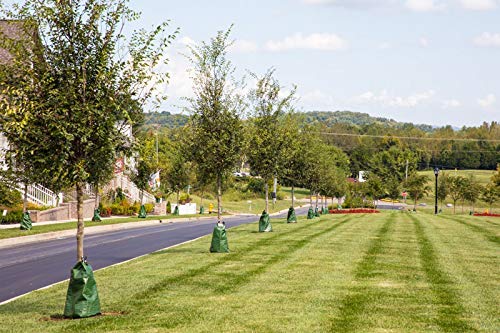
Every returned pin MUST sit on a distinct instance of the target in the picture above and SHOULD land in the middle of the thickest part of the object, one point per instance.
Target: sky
(423, 61)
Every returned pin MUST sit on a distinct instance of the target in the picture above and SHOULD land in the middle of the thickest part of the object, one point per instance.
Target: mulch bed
(486, 214)
(353, 211)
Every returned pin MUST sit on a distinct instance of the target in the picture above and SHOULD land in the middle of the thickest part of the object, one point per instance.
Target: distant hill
(327, 118)
(165, 119)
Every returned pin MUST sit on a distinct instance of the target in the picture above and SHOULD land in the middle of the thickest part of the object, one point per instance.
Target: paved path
(33, 266)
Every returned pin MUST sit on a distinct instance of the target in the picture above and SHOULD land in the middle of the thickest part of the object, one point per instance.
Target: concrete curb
(9, 242)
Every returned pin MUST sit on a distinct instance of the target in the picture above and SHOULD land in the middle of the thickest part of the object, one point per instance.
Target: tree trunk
(267, 197)
(415, 204)
(454, 204)
(310, 197)
(201, 201)
(293, 195)
(80, 225)
(25, 199)
(317, 195)
(96, 204)
(219, 197)
(178, 195)
(142, 196)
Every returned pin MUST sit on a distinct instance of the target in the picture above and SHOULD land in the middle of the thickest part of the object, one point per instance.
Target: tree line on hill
(360, 136)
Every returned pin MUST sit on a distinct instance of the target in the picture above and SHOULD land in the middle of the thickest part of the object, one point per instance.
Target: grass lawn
(482, 176)
(256, 206)
(388, 272)
(40, 229)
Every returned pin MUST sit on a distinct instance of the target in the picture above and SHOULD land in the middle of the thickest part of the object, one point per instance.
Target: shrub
(120, 196)
(280, 195)
(9, 197)
(184, 198)
(353, 202)
(116, 209)
(105, 211)
(233, 195)
(13, 216)
(34, 206)
(169, 207)
(149, 208)
(256, 185)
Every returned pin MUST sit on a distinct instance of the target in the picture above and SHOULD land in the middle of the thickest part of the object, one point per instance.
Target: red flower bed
(353, 211)
(486, 214)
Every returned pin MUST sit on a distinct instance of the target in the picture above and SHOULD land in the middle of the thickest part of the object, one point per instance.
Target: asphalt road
(29, 267)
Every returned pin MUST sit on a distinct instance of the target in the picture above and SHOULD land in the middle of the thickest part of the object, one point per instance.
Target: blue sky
(424, 61)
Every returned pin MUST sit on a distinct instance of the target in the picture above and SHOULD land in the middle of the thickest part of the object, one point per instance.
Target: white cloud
(244, 46)
(424, 42)
(451, 104)
(425, 5)
(315, 41)
(488, 101)
(386, 99)
(479, 4)
(487, 39)
(186, 40)
(384, 45)
(316, 98)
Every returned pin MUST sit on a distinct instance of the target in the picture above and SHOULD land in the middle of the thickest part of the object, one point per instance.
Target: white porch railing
(39, 195)
(132, 192)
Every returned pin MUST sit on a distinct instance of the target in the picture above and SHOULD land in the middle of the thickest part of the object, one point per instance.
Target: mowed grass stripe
(232, 256)
(277, 299)
(463, 254)
(219, 277)
(450, 311)
(488, 234)
(358, 297)
(155, 270)
(303, 290)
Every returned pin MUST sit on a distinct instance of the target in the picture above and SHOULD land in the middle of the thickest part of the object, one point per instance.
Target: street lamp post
(436, 172)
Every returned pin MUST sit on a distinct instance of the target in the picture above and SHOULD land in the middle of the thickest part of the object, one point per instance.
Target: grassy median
(388, 272)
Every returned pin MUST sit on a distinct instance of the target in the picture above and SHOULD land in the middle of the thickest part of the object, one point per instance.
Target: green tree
(443, 187)
(215, 128)
(374, 187)
(417, 187)
(147, 162)
(291, 162)
(391, 163)
(490, 194)
(177, 174)
(456, 187)
(472, 191)
(86, 91)
(495, 179)
(393, 188)
(267, 135)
